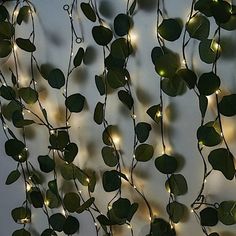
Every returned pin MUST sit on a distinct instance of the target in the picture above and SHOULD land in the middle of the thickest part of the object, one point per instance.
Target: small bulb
(28, 187)
(20, 157)
(29, 111)
(15, 47)
(191, 210)
(80, 191)
(133, 36)
(129, 227)
(162, 72)
(5, 127)
(35, 82)
(4, 84)
(26, 149)
(150, 218)
(158, 114)
(63, 212)
(116, 139)
(126, 78)
(46, 202)
(205, 181)
(217, 91)
(215, 46)
(87, 179)
(134, 156)
(95, 224)
(184, 62)
(72, 54)
(135, 187)
(67, 123)
(109, 207)
(133, 116)
(221, 134)
(52, 131)
(201, 143)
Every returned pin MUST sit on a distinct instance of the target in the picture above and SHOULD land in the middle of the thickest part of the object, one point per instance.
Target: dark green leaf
(71, 225)
(188, 76)
(209, 51)
(7, 92)
(13, 177)
(133, 208)
(71, 150)
(21, 232)
(203, 103)
(102, 35)
(19, 121)
(227, 212)
(36, 198)
(57, 221)
(5, 48)
(222, 159)
(46, 164)
(144, 152)
(56, 79)
(122, 24)
(67, 171)
(103, 220)
(209, 216)
(23, 15)
(29, 95)
(3, 13)
(14, 147)
(75, 102)
(221, 11)
(126, 98)
(86, 205)
(214, 234)
(160, 227)
(52, 199)
(6, 30)
(175, 211)
(198, 27)
(78, 57)
(170, 29)
(48, 232)
(88, 11)
(142, 130)
(71, 201)
(155, 112)
(204, 6)
(121, 208)
(116, 78)
(208, 83)
(114, 63)
(231, 23)
(177, 184)
(132, 7)
(21, 215)
(227, 105)
(208, 136)
(25, 45)
(100, 84)
(99, 113)
(110, 156)
(121, 48)
(52, 185)
(166, 164)
(111, 181)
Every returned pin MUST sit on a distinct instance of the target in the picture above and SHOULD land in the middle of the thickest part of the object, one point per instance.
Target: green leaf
(25, 44)
(142, 130)
(209, 216)
(121, 208)
(102, 35)
(71, 225)
(75, 102)
(14, 147)
(21, 214)
(3, 13)
(144, 152)
(5, 48)
(231, 23)
(100, 84)
(52, 199)
(208, 83)
(170, 29)
(98, 115)
(121, 48)
(177, 184)
(46, 164)
(6, 30)
(57, 221)
(204, 6)
(188, 76)
(222, 159)
(71, 201)
(198, 27)
(227, 105)
(36, 198)
(126, 98)
(133, 208)
(203, 103)
(103, 220)
(221, 11)
(122, 24)
(71, 150)
(174, 86)
(209, 51)
(52, 185)
(85, 205)
(108, 133)
(116, 78)
(155, 112)
(13, 177)
(21, 232)
(29, 95)
(208, 136)
(88, 11)
(166, 164)
(110, 157)
(111, 181)
(160, 227)
(114, 63)
(175, 211)
(214, 234)
(23, 15)
(132, 7)
(67, 171)
(56, 79)
(19, 121)
(163, 66)
(227, 212)
(7, 92)
(78, 57)
(48, 232)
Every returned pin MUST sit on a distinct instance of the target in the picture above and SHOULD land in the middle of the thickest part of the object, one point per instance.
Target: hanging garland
(22, 106)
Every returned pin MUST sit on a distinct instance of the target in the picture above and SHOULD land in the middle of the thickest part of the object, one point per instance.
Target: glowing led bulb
(217, 91)
(162, 72)
(109, 207)
(15, 47)
(28, 187)
(158, 114)
(46, 202)
(129, 227)
(116, 139)
(215, 46)
(87, 179)
(184, 62)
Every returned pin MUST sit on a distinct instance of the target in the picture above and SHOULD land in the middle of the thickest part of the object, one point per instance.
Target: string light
(15, 47)
(116, 139)
(95, 224)
(158, 114)
(129, 226)
(28, 187)
(46, 202)
(87, 179)
(109, 207)
(162, 72)
(217, 91)
(133, 116)
(215, 46)
(184, 62)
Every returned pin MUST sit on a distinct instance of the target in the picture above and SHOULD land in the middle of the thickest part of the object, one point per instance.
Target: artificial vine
(23, 106)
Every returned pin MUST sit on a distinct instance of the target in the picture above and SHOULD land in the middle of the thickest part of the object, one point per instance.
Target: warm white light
(162, 72)
(184, 62)
(134, 116)
(217, 91)
(109, 207)
(46, 202)
(129, 227)
(133, 36)
(87, 179)
(158, 114)
(28, 187)
(15, 47)
(215, 46)
(116, 139)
